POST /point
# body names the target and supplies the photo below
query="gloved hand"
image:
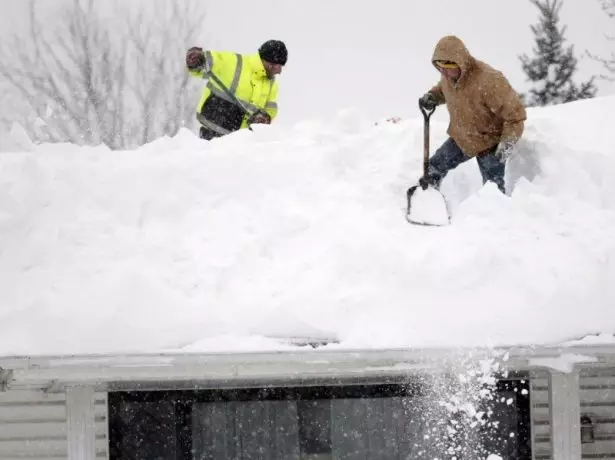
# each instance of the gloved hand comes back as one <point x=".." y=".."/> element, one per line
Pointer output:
<point x="195" y="58"/>
<point x="426" y="181"/>
<point x="259" y="117"/>
<point x="504" y="150"/>
<point x="428" y="101"/>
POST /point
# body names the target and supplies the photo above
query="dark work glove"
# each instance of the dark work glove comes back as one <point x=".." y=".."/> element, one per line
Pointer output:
<point x="195" y="58"/>
<point x="259" y="117"/>
<point x="428" y="101"/>
<point x="428" y="180"/>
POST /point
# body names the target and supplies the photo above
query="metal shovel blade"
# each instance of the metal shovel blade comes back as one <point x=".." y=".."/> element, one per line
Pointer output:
<point x="427" y="207"/>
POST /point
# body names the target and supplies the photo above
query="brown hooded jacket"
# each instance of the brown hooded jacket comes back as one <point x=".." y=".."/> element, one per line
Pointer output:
<point x="484" y="109"/>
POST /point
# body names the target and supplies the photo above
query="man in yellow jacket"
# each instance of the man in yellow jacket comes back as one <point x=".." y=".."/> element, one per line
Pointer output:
<point x="241" y="88"/>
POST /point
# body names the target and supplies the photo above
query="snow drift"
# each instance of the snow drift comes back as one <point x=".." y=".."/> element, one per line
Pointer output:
<point x="300" y="231"/>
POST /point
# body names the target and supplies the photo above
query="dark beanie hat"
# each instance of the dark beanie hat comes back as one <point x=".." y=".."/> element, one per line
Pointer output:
<point x="274" y="51"/>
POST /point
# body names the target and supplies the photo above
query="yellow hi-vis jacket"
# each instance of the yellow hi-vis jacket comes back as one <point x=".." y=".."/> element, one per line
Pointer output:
<point x="245" y="77"/>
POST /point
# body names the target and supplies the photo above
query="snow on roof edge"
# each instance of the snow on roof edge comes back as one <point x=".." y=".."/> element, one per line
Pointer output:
<point x="589" y="345"/>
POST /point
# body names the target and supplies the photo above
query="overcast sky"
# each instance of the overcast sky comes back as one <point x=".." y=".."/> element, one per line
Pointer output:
<point x="375" y="55"/>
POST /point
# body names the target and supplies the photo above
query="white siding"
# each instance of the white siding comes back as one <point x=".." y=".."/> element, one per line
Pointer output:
<point x="597" y="401"/>
<point x="33" y="425"/>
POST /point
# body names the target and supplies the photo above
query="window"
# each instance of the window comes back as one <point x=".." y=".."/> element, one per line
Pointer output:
<point x="304" y="423"/>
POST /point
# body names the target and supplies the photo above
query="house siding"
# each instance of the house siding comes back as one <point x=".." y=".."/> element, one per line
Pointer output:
<point x="33" y="422"/>
<point x="597" y="394"/>
<point x="33" y="425"/>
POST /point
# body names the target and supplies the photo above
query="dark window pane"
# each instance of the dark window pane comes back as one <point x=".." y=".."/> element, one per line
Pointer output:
<point x="315" y="427"/>
<point x="144" y="431"/>
<point x="245" y="430"/>
<point x="380" y="428"/>
<point x="509" y="436"/>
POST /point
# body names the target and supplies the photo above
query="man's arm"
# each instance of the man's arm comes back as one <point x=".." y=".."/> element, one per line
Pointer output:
<point x="438" y="93"/>
<point x="432" y="98"/>
<point x="271" y="107"/>
<point x="506" y="104"/>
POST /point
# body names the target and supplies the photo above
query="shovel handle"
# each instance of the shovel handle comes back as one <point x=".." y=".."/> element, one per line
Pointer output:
<point x="426" y="116"/>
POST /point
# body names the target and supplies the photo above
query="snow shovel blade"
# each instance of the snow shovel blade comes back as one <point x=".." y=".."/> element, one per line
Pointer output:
<point x="427" y="207"/>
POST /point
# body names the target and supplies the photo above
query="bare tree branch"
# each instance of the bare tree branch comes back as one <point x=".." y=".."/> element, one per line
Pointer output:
<point x="608" y="6"/>
<point x="608" y="63"/>
<point x="106" y="72"/>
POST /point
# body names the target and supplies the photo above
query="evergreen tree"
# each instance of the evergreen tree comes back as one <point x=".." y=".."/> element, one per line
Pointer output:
<point x="553" y="66"/>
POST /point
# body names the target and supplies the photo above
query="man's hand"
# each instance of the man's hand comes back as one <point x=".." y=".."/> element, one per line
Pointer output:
<point x="429" y="180"/>
<point x="428" y="101"/>
<point x="504" y="150"/>
<point x="195" y="58"/>
<point x="259" y="117"/>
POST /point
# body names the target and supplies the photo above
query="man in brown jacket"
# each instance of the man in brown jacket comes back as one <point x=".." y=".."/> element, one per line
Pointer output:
<point x="486" y="114"/>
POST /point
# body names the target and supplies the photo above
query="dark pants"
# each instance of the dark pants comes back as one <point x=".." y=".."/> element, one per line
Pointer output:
<point x="449" y="156"/>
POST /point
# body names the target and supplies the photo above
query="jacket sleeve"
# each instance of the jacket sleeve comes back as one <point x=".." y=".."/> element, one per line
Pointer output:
<point x="271" y="107"/>
<point x="438" y="93"/>
<point x="505" y="103"/>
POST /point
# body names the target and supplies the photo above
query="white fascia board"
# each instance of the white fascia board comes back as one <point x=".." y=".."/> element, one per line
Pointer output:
<point x="319" y="363"/>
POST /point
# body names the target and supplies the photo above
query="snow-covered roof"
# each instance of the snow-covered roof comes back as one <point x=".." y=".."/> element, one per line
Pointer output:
<point x="186" y="246"/>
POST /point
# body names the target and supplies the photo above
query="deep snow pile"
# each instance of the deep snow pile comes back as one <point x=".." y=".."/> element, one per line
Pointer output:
<point x="184" y="244"/>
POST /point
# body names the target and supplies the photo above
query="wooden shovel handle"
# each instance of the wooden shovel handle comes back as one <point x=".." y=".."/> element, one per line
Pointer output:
<point x="426" y="116"/>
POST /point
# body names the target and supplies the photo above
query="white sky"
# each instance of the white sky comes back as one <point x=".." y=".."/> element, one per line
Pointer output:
<point x="375" y="55"/>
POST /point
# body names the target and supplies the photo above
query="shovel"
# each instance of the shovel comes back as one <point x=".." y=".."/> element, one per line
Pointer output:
<point x="426" y="206"/>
